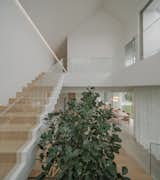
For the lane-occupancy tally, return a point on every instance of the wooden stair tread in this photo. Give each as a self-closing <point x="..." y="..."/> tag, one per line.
<point x="17" y="123"/>
<point x="32" y="120"/>
<point x="5" y="168"/>
<point x="27" y="99"/>
<point x="10" y="146"/>
<point x="36" y="109"/>
<point x="16" y="127"/>
<point x="20" y="114"/>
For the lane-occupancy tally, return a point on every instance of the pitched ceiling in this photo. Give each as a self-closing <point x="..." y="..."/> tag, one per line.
<point x="57" y="18"/>
<point x="123" y="10"/>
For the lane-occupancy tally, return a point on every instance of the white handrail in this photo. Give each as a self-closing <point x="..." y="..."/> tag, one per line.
<point x="38" y="32"/>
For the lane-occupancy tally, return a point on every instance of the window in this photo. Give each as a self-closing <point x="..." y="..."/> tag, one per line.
<point x="130" y="53"/>
<point x="150" y="28"/>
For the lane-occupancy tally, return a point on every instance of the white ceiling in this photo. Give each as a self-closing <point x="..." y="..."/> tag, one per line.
<point x="57" y="18"/>
<point x="122" y="10"/>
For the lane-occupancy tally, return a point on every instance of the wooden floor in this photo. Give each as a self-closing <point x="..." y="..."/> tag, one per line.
<point x="136" y="172"/>
<point x="140" y="154"/>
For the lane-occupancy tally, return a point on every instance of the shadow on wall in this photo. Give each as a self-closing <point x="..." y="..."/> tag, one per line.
<point x="61" y="52"/>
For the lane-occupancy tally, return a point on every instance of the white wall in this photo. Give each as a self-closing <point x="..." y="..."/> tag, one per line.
<point x="95" y="49"/>
<point x="57" y="18"/>
<point x="124" y="11"/>
<point x="23" y="55"/>
<point x="147" y="115"/>
<point x="145" y="72"/>
<point x="127" y="12"/>
<point x="96" y="37"/>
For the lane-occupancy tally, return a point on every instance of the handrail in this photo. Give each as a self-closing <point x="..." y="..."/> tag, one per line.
<point x="38" y="32"/>
<point x="154" y="143"/>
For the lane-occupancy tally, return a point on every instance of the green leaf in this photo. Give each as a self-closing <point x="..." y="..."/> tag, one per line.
<point x="124" y="170"/>
<point x="117" y="129"/>
<point x="70" y="174"/>
<point x="126" y="178"/>
<point x="80" y="142"/>
<point x="41" y="176"/>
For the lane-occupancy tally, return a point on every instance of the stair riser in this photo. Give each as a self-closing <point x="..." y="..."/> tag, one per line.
<point x="5" y="135"/>
<point x="25" y="109"/>
<point x="19" y="120"/>
<point x="8" y="157"/>
<point x="30" y="101"/>
<point x="37" y="92"/>
<point x="33" y="94"/>
<point x="27" y="106"/>
<point x="37" y="88"/>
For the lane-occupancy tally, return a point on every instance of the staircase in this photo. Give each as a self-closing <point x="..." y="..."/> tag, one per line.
<point x="20" y="125"/>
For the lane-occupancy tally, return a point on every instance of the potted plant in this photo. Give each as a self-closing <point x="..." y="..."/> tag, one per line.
<point x="81" y="142"/>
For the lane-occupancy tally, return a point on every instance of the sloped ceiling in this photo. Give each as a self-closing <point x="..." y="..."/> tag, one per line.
<point x="123" y="10"/>
<point x="57" y="18"/>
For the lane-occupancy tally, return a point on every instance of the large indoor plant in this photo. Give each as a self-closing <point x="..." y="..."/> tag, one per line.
<point x="81" y="142"/>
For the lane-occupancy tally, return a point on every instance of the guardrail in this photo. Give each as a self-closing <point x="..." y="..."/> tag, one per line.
<point x="154" y="160"/>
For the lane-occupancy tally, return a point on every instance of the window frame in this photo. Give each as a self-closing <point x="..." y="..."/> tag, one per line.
<point x="133" y="40"/>
<point x="141" y="46"/>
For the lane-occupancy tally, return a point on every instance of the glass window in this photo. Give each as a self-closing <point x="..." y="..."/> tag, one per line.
<point x="151" y="28"/>
<point x="130" y="53"/>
